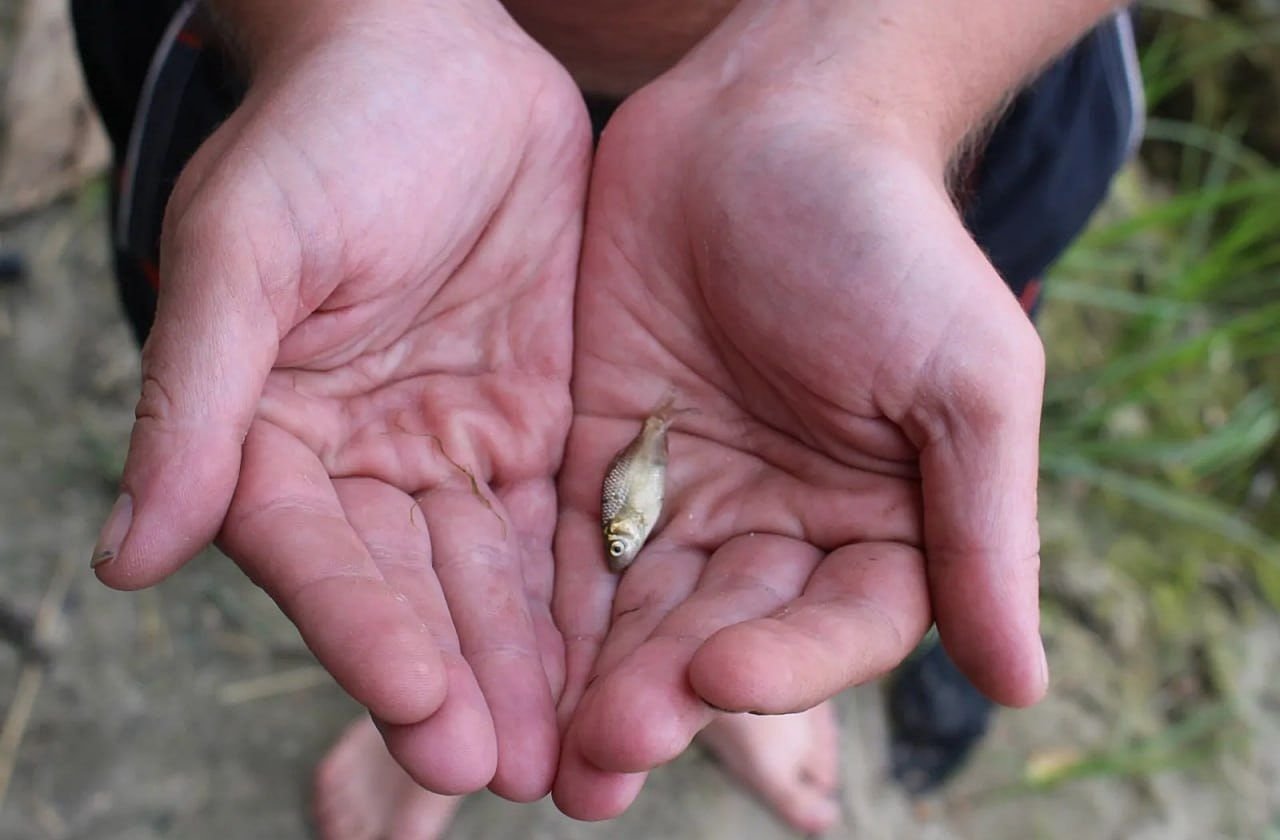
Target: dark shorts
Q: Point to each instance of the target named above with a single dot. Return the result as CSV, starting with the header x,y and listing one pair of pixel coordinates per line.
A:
x,y
162,87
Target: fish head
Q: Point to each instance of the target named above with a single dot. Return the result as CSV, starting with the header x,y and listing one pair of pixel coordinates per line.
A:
x,y
623,538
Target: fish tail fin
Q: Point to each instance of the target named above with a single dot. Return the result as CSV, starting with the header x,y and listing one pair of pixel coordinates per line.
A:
x,y
666,411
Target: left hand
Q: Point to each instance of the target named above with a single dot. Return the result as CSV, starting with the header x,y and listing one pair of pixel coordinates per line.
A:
x,y
863,456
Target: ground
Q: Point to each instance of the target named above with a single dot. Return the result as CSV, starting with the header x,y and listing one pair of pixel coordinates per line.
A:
x,y
193,711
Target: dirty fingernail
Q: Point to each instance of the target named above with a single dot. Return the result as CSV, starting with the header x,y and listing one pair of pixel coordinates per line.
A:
x,y
113,531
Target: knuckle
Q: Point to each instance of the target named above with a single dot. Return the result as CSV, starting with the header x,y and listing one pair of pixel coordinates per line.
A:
x,y
156,401
521,653
240,229
205,214
999,383
481,561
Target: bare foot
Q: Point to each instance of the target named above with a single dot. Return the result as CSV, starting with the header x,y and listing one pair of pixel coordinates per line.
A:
x,y
789,761
362,794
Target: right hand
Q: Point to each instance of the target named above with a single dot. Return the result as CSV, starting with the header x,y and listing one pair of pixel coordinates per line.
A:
x,y
358,376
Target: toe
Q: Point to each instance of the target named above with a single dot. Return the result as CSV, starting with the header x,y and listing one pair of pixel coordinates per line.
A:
x,y
789,761
804,807
821,766
352,799
362,794
423,815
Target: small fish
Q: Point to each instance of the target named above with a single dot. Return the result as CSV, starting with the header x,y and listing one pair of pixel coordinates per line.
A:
x,y
634,488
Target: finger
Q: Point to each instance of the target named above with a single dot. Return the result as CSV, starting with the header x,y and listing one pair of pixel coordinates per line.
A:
x,y
288,532
478,563
862,612
644,712
663,577
582,601
584,792
979,469
455,749
652,701
203,368
532,506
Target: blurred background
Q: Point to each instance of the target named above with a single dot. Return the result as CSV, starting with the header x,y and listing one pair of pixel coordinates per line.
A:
x,y
193,710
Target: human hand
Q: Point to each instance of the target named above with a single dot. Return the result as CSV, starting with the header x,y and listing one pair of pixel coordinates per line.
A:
x,y
358,374
863,456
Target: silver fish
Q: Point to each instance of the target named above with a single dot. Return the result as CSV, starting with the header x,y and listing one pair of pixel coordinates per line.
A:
x,y
634,488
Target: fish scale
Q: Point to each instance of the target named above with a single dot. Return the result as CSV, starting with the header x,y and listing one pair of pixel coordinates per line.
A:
x,y
633,491
615,489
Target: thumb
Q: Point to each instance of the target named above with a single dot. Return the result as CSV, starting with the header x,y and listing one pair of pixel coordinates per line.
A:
x,y
205,362
979,469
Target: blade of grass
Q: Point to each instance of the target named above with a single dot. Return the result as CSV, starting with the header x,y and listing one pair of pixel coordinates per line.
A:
x,y
1182,744
1201,226
1221,145
1187,508
1252,427
1222,40
1252,334
1117,300
1219,262
1179,208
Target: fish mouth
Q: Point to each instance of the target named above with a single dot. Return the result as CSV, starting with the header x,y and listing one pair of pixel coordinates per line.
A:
x,y
618,565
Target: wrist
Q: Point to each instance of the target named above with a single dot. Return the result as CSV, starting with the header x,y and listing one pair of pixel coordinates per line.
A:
x,y
258,33
268,35
926,75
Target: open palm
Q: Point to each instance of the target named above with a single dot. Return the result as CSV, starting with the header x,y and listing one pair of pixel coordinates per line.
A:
x,y
862,457
358,379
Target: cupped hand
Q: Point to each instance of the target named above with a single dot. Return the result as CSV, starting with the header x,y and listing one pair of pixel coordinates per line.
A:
x,y
358,377
862,456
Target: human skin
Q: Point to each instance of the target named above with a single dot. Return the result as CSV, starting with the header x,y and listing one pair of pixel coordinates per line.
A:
x,y
366,283
771,236
365,303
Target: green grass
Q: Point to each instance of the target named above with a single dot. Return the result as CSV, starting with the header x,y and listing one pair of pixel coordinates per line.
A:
x,y
1163,324
1188,743
1162,406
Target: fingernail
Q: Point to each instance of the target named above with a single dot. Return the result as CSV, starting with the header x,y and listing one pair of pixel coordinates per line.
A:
x,y
1044,666
113,531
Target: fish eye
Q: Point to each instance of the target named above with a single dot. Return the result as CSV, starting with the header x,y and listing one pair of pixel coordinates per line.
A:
x,y
616,548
